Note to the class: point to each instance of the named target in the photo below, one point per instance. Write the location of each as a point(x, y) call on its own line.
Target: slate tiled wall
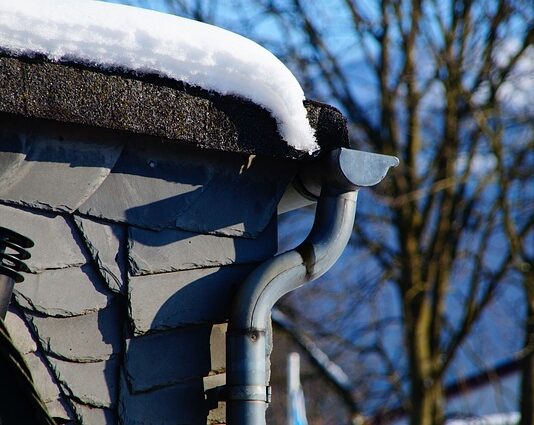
point(138, 254)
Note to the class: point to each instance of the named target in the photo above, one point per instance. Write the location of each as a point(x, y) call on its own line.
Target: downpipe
point(343, 172)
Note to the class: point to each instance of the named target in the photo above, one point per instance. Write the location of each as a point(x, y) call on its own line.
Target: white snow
point(111, 35)
point(511, 418)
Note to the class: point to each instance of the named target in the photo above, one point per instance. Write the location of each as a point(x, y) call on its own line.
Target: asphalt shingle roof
point(150, 105)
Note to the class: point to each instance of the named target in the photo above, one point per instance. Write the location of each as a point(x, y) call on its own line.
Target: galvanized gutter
point(340, 174)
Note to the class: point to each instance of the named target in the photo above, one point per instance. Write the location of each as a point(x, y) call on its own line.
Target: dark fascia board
point(36, 87)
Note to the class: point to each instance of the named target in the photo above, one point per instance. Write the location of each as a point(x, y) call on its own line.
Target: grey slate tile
point(63, 292)
point(87, 338)
point(47, 387)
point(107, 246)
point(62, 166)
point(157, 187)
point(150, 184)
point(174, 356)
point(88, 415)
point(19, 332)
point(56, 245)
point(174, 250)
point(170, 300)
point(95, 384)
point(241, 201)
point(42, 377)
point(179, 404)
point(60, 409)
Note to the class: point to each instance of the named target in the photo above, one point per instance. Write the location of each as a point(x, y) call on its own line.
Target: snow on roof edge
point(145, 41)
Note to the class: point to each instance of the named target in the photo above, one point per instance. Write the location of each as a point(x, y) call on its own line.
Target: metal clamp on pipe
point(250, 392)
point(338, 177)
point(12, 253)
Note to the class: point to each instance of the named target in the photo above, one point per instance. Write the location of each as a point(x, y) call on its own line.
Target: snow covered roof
point(146, 42)
point(153, 106)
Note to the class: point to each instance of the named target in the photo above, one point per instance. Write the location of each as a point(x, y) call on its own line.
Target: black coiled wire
point(13, 253)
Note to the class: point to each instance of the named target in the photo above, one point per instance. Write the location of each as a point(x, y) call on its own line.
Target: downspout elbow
point(279, 275)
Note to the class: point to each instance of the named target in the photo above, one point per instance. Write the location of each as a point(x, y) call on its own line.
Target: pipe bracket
point(249, 392)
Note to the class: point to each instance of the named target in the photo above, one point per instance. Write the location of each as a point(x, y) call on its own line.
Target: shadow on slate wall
point(166, 195)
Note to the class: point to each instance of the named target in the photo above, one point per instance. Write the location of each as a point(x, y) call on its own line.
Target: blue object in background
point(296, 407)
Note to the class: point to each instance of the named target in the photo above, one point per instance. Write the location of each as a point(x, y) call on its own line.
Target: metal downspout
point(247, 391)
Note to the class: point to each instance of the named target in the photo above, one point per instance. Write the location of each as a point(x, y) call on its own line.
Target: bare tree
point(446, 86)
point(440, 80)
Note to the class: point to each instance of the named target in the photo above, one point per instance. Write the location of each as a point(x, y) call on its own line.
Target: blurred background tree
point(438, 286)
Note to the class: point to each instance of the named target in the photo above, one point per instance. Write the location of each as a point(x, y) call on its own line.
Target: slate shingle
point(94, 384)
point(156, 187)
point(70, 164)
point(178, 404)
point(241, 201)
point(19, 331)
point(170, 300)
point(153, 252)
point(63, 292)
point(107, 246)
point(87, 338)
point(61, 410)
point(150, 184)
point(42, 378)
point(88, 415)
point(174, 356)
point(46, 230)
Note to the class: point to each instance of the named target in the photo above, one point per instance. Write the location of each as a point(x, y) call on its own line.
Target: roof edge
point(36, 87)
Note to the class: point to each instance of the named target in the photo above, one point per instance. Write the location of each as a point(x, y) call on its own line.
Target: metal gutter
point(340, 174)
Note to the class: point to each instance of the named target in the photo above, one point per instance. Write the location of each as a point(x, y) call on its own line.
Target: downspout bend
point(283, 273)
point(344, 170)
